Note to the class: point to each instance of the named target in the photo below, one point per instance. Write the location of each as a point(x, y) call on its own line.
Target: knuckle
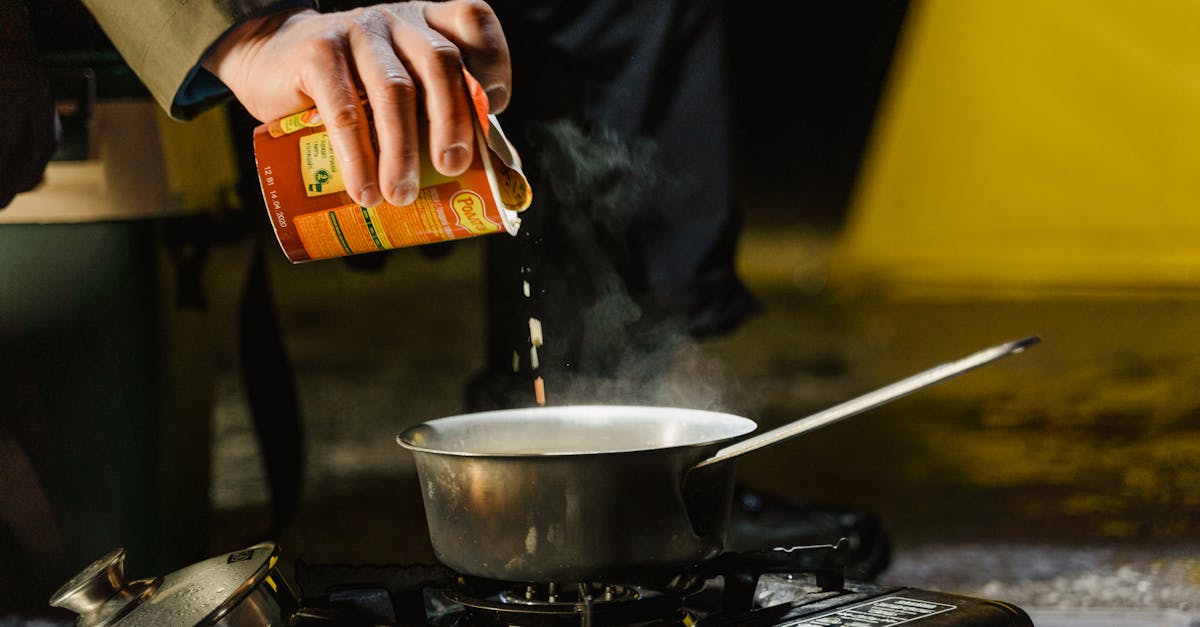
point(397, 88)
point(343, 117)
point(478, 13)
point(371, 14)
point(368, 19)
point(446, 55)
point(484, 27)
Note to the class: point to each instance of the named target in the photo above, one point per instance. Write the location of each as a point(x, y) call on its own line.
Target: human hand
point(28, 132)
point(401, 56)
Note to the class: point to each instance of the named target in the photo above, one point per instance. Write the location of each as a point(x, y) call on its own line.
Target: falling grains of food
point(535, 340)
point(535, 331)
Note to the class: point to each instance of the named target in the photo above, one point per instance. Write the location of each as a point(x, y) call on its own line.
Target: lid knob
point(94, 585)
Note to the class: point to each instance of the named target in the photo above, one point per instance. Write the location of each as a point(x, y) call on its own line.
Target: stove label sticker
point(878, 613)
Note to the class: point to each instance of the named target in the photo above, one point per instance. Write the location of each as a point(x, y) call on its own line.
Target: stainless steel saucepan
point(594, 493)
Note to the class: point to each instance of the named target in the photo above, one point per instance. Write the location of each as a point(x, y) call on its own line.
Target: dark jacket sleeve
point(164, 41)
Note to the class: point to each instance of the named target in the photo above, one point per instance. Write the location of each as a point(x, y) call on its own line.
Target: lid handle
point(100, 594)
point(93, 586)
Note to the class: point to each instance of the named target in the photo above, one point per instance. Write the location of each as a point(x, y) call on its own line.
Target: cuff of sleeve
point(200, 90)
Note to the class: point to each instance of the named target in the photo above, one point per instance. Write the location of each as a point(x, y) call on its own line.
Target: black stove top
point(796, 587)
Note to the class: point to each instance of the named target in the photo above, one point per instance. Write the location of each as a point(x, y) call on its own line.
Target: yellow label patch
point(318, 166)
point(294, 122)
point(469, 213)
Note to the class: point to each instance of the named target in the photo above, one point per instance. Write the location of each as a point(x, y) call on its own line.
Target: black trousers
point(620, 111)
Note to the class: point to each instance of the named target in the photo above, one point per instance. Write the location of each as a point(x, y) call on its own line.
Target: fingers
point(437, 64)
point(392, 92)
point(474, 28)
point(400, 56)
point(332, 87)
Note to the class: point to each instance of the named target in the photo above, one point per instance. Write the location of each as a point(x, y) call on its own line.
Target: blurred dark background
point(807, 81)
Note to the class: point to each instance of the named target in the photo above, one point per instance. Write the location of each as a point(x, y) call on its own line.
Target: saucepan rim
point(449, 435)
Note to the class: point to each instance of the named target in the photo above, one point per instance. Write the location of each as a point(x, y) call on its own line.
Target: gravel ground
point(1064, 585)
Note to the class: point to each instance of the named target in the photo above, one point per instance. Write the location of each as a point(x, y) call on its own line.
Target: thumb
point(475, 29)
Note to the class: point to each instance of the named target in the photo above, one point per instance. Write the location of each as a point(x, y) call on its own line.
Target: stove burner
point(550, 604)
point(553, 594)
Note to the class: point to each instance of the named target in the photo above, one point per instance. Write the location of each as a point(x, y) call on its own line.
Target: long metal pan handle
point(869, 400)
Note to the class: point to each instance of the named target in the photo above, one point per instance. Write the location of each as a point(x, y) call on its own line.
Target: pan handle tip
point(1017, 346)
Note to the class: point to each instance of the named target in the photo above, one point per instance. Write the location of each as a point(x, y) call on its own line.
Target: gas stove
point(803, 586)
point(794, 587)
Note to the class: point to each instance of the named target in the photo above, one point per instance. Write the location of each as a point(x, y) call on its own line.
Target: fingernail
point(455, 159)
point(404, 193)
point(369, 196)
point(497, 98)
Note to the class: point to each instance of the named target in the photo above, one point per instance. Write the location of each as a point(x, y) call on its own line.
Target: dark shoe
point(761, 521)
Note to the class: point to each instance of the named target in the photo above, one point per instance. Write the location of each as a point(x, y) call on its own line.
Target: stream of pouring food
point(535, 341)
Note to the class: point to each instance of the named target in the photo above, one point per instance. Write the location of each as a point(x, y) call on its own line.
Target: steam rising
point(607, 338)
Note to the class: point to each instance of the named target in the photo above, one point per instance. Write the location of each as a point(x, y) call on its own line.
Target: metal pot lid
point(200, 594)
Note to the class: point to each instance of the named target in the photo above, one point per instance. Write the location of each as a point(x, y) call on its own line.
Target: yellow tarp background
point(1033, 145)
